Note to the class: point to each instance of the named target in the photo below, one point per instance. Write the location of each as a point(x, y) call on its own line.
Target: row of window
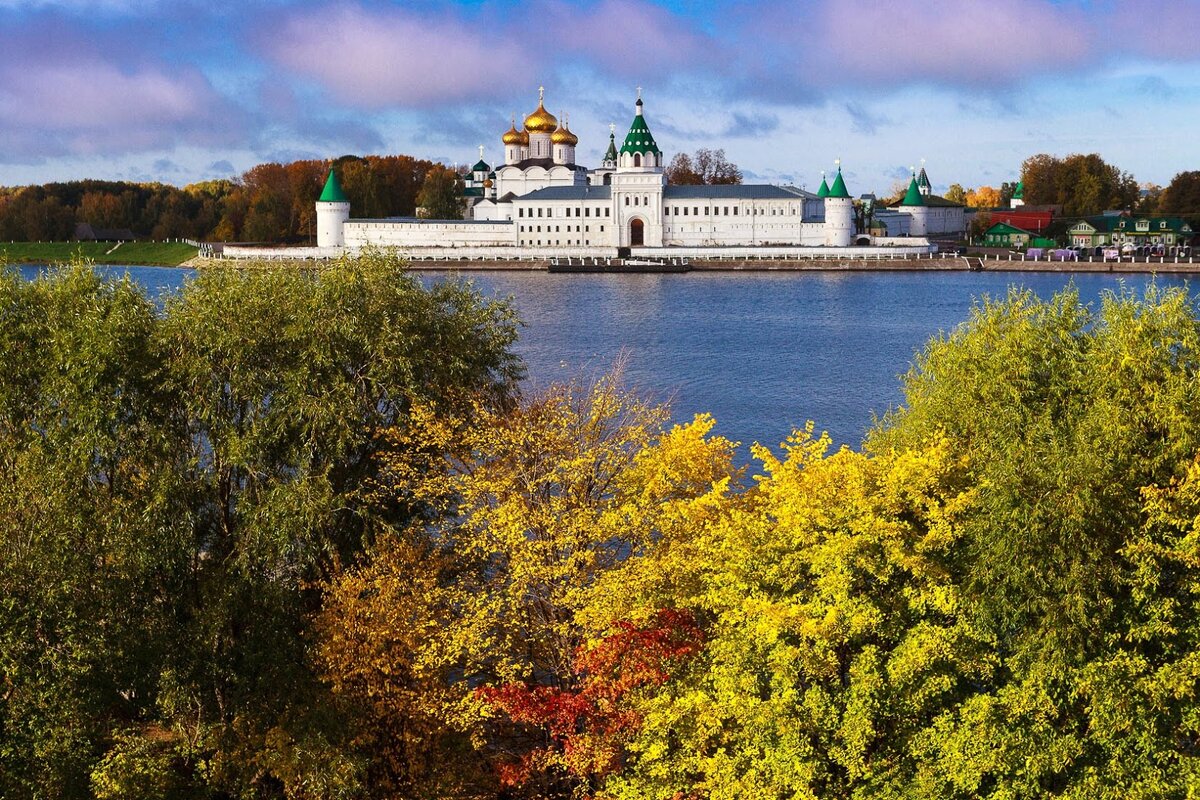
point(587, 212)
point(763, 228)
point(557, 229)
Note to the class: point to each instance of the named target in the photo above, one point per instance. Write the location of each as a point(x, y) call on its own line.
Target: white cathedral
point(541, 200)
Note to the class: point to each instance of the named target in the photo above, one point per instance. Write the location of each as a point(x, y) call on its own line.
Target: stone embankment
point(935, 262)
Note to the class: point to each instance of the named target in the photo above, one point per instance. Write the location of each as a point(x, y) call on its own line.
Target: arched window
point(637, 159)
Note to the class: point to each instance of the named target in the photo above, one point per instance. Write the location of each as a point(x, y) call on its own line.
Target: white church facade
point(541, 200)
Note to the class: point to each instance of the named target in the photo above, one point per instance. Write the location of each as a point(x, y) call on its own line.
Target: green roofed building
point(1004, 235)
point(913, 196)
point(1018, 195)
point(333, 210)
point(538, 197)
point(838, 189)
point(930, 215)
point(639, 149)
point(1138, 231)
point(332, 193)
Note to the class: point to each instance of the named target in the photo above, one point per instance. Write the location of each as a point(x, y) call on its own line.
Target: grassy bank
point(167, 254)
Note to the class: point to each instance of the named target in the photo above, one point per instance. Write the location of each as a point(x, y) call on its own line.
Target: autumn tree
point(1182, 195)
point(177, 484)
point(705, 167)
point(983, 197)
point(441, 194)
point(815, 680)
point(956, 194)
point(1081, 184)
point(533, 508)
point(979, 225)
point(1077, 426)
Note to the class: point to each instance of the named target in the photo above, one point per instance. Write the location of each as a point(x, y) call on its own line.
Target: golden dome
point(487, 184)
point(563, 135)
point(541, 121)
point(515, 136)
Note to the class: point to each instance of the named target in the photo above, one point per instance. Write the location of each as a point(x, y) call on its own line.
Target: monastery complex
point(540, 201)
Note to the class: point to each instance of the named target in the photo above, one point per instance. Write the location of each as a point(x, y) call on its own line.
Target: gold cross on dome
point(541, 93)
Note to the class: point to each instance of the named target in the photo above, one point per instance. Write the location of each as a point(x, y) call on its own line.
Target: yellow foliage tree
point(833, 630)
point(983, 197)
point(528, 509)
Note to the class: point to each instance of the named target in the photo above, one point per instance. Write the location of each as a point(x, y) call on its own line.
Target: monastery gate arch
point(637, 232)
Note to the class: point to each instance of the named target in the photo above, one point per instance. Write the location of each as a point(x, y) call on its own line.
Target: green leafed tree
point(176, 485)
point(441, 195)
point(1182, 195)
point(1081, 184)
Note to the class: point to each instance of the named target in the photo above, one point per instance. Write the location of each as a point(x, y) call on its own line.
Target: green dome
point(611, 153)
point(481, 166)
point(824, 190)
point(839, 186)
point(639, 139)
point(913, 196)
point(333, 190)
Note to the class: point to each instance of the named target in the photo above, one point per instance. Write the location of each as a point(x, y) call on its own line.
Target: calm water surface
point(763, 352)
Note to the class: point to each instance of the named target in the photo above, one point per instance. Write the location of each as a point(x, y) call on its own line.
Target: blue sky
point(190, 90)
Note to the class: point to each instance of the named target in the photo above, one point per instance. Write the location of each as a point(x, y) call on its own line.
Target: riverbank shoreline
point(942, 263)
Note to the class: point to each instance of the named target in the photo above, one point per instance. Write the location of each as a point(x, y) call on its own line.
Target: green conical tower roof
point(839, 186)
point(333, 190)
point(1019, 192)
point(611, 153)
point(639, 139)
point(923, 180)
point(913, 196)
point(824, 190)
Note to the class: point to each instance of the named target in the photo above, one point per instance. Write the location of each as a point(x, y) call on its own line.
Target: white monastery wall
point(406, 233)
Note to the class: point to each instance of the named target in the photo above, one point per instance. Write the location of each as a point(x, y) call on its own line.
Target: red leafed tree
point(583, 729)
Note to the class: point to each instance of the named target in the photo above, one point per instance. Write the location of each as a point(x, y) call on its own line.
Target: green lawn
point(168, 254)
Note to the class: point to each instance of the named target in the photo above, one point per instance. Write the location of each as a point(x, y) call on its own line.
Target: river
point(763, 352)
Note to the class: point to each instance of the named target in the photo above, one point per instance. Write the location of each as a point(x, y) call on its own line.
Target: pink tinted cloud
point(82, 104)
point(375, 57)
point(623, 37)
point(1154, 29)
point(382, 57)
point(951, 42)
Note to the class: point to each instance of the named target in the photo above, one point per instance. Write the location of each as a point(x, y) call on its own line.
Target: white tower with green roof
point(333, 209)
point(917, 209)
point(637, 186)
point(839, 213)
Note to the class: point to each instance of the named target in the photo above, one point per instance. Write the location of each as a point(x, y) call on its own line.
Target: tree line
point(298, 535)
point(268, 203)
point(1086, 185)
